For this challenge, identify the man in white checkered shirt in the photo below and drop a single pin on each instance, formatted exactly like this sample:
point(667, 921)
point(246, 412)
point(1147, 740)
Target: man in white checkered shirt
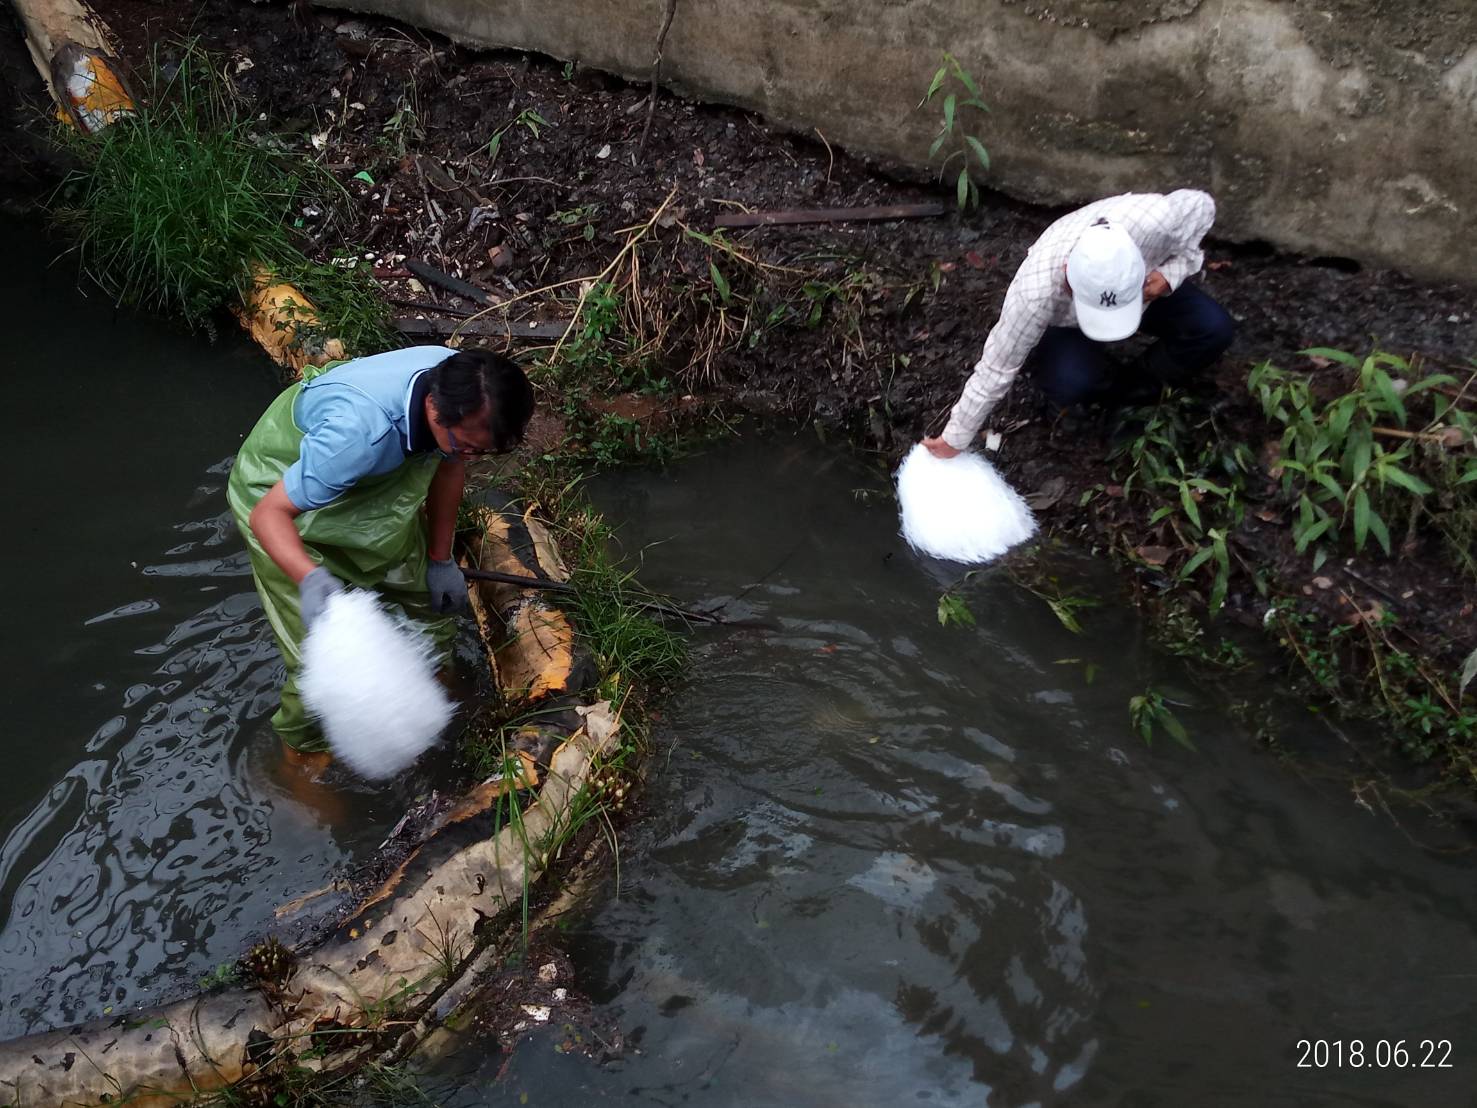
point(1087, 281)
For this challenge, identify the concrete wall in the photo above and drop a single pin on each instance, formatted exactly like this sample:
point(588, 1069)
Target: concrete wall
point(1329, 126)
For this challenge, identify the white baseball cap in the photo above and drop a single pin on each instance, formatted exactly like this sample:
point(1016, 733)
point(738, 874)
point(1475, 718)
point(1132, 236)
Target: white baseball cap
point(1106, 272)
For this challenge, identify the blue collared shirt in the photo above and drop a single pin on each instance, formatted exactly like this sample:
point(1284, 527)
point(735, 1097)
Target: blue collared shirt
point(356, 423)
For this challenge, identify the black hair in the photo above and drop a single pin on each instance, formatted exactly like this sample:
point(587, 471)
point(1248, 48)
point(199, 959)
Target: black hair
point(471, 380)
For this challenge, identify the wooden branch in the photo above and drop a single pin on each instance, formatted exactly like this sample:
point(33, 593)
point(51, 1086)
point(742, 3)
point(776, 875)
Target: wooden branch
point(656, 66)
point(1445, 438)
point(830, 215)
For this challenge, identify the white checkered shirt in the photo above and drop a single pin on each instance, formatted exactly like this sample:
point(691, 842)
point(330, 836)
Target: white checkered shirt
point(1167, 228)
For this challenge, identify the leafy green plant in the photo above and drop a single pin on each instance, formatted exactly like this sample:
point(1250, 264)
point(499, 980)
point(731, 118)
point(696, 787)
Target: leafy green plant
point(223, 976)
point(1179, 631)
point(1149, 711)
point(961, 94)
point(1336, 467)
point(530, 119)
point(1359, 666)
point(173, 208)
point(584, 214)
point(953, 612)
point(1045, 586)
point(608, 607)
point(1196, 479)
point(402, 130)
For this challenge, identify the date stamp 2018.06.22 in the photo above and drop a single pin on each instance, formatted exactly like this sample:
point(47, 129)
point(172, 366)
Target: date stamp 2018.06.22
point(1382, 1054)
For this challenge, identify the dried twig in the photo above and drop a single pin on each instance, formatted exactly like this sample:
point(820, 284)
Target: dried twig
point(656, 65)
point(587, 282)
point(723, 245)
point(1440, 438)
point(830, 157)
point(587, 285)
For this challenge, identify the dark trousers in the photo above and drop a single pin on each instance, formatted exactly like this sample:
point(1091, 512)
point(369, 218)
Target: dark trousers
point(1192, 329)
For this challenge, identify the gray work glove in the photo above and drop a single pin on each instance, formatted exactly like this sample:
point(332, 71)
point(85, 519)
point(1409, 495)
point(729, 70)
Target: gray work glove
point(448, 588)
point(313, 593)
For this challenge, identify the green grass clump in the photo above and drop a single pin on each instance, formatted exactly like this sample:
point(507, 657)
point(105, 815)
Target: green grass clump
point(176, 203)
point(610, 611)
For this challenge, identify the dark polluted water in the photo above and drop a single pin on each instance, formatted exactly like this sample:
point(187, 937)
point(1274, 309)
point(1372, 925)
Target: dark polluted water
point(884, 861)
point(147, 829)
point(888, 862)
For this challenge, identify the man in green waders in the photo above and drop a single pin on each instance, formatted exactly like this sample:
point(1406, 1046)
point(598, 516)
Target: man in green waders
point(354, 475)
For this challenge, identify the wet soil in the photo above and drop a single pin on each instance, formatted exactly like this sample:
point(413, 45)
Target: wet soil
point(517, 173)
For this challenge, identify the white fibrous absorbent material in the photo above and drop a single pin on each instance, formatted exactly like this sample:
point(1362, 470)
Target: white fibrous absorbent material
point(371, 682)
point(959, 508)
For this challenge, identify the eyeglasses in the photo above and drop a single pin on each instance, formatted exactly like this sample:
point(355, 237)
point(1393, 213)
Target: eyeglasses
point(464, 451)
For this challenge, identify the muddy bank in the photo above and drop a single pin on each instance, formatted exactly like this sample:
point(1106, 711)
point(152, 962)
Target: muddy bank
point(528, 179)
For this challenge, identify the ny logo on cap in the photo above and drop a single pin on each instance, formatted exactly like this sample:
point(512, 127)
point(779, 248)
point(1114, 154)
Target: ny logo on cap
point(1108, 300)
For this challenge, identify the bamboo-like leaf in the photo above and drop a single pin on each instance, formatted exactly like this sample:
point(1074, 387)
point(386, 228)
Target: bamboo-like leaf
point(1191, 508)
point(979, 150)
point(1170, 722)
point(1198, 559)
point(949, 102)
point(1386, 390)
point(1379, 530)
point(1312, 533)
point(1223, 572)
point(1469, 671)
point(1359, 453)
point(1408, 481)
point(719, 282)
point(1339, 416)
point(934, 85)
point(1430, 383)
point(953, 610)
point(1064, 615)
point(1361, 518)
point(964, 77)
point(1334, 488)
point(938, 144)
point(962, 189)
point(1332, 355)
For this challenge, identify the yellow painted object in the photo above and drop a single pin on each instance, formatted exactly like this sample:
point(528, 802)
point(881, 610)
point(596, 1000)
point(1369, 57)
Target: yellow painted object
point(93, 95)
point(70, 47)
point(284, 323)
point(531, 642)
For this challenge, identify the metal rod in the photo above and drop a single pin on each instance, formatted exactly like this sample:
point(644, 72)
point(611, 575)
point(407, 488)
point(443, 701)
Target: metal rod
point(830, 215)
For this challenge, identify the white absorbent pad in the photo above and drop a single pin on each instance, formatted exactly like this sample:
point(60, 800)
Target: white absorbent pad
point(371, 682)
point(959, 508)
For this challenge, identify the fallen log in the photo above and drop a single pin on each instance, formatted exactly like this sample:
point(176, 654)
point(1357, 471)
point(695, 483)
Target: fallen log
point(831, 215)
